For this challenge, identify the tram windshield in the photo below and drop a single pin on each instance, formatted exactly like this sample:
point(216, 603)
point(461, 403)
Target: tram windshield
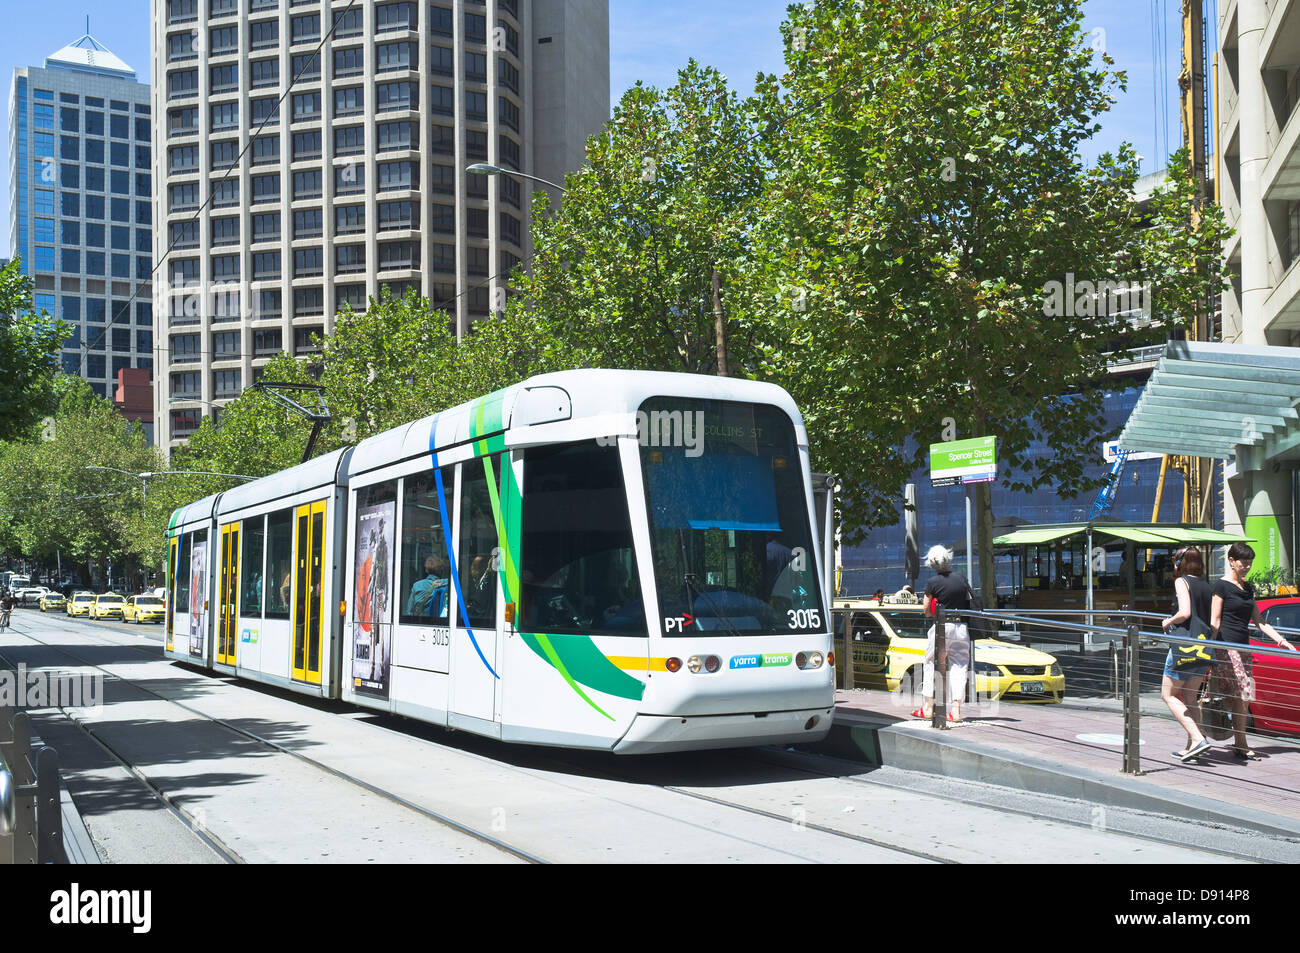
point(729, 533)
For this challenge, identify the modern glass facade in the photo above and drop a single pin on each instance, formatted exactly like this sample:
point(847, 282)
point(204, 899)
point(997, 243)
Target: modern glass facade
point(878, 563)
point(81, 157)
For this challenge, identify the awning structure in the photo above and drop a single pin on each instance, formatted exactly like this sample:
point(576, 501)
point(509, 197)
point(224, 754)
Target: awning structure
point(1217, 400)
point(1150, 534)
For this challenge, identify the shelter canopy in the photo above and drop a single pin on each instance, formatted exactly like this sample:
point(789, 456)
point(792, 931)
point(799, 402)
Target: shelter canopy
point(1212, 400)
point(1151, 534)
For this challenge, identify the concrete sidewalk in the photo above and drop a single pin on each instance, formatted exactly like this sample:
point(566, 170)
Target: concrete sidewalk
point(1076, 750)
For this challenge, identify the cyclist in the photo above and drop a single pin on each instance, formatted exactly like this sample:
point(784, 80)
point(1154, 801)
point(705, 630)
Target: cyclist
point(6, 607)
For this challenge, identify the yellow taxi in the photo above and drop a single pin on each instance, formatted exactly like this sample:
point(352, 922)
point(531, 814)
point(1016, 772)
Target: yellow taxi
point(143, 609)
point(80, 603)
point(889, 638)
point(107, 605)
point(52, 600)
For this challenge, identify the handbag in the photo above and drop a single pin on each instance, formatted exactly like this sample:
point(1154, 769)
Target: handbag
point(1191, 656)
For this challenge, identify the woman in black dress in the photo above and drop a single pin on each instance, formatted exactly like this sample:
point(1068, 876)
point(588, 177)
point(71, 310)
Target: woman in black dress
point(1232, 610)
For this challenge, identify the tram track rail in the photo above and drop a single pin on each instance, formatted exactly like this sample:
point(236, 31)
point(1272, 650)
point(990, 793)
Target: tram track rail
point(549, 757)
point(222, 850)
point(783, 758)
point(538, 761)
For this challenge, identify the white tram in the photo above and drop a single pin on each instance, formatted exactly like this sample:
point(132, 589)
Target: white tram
point(601, 559)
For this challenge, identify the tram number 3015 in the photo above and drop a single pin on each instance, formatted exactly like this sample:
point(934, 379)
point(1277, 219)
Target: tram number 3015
point(804, 618)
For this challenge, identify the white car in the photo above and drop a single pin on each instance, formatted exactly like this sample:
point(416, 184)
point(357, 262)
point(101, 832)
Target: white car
point(29, 595)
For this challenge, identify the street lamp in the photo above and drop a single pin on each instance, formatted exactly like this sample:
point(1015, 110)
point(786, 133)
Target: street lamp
point(486, 168)
point(149, 474)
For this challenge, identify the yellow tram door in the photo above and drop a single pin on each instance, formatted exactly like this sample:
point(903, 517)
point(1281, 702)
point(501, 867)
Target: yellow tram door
point(227, 595)
point(170, 601)
point(308, 582)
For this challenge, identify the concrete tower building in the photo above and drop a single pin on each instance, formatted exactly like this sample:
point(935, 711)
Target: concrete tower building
point(333, 137)
point(81, 206)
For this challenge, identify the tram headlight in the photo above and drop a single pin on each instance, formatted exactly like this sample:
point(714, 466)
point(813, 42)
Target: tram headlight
point(673, 664)
point(807, 660)
point(693, 664)
point(712, 663)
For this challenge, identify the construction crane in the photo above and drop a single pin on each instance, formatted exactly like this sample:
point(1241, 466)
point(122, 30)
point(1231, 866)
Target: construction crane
point(1106, 495)
point(1198, 472)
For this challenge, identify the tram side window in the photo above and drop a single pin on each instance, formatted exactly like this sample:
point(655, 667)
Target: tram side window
point(426, 571)
point(376, 524)
point(579, 569)
point(279, 564)
point(478, 543)
point(250, 567)
point(182, 601)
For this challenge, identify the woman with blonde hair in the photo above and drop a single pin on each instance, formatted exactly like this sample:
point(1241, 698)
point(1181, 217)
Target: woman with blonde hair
point(950, 590)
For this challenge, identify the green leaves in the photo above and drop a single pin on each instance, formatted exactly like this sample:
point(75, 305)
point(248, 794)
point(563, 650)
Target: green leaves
point(29, 355)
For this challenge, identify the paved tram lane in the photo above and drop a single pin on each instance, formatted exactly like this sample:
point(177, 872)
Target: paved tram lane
point(266, 805)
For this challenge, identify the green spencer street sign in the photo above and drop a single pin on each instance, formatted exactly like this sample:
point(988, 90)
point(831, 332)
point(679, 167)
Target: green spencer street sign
point(964, 461)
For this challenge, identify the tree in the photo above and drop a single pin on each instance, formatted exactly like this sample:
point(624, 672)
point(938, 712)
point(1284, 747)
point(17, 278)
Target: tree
point(927, 189)
point(57, 504)
point(1180, 252)
point(29, 355)
point(631, 271)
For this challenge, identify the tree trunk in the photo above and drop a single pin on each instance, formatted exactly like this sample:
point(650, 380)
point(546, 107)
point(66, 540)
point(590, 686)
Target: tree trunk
point(719, 324)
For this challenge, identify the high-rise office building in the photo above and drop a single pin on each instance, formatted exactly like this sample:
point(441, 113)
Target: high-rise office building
point(312, 152)
point(80, 201)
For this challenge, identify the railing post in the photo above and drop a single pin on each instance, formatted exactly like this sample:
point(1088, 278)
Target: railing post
point(1132, 713)
point(6, 745)
point(848, 650)
point(939, 711)
point(20, 766)
point(49, 814)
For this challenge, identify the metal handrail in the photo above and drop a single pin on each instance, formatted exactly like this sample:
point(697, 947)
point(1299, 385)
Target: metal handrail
point(1113, 630)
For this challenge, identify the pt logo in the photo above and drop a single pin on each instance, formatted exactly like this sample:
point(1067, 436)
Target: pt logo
point(678, 623)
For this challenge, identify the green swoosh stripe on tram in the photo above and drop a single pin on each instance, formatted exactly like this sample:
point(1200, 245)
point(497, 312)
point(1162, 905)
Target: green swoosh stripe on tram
point(575, 657)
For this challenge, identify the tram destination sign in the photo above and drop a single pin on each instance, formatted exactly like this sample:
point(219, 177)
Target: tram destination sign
point(958, 462)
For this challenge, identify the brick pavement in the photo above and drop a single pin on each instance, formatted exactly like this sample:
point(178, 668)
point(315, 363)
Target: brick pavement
point(1073, 735)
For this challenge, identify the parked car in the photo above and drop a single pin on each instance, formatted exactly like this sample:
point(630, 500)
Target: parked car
point(52, 600)
point(889, 640)
point(80, 603)
point(1277, 677)
point(143, 609)
point(107, 605)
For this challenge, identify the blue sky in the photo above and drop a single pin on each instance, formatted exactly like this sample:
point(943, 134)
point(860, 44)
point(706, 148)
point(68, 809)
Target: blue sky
point(651, 39)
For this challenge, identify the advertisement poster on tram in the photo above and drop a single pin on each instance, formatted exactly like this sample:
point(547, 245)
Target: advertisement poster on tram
point(198, 590)
point(371, 629)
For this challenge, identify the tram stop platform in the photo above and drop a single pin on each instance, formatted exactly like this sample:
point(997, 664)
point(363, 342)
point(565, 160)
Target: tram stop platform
point(1075, 749)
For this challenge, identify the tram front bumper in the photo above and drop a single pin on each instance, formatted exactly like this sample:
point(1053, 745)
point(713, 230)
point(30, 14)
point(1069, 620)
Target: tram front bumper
point(655, 734)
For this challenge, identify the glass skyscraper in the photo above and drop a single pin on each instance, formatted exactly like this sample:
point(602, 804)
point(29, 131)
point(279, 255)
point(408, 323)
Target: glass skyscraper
point(80, 157)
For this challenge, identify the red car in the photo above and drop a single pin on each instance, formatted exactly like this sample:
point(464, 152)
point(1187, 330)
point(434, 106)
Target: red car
point(1277, 677)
